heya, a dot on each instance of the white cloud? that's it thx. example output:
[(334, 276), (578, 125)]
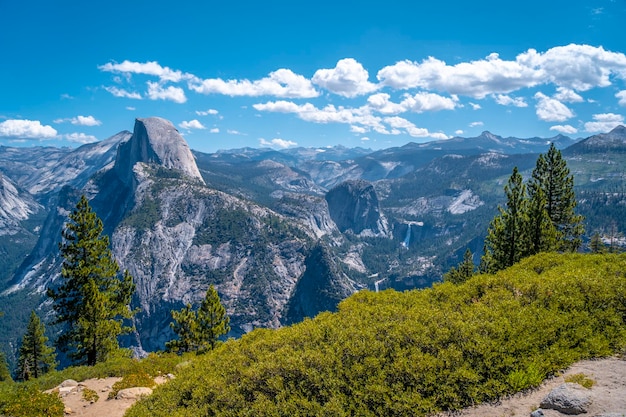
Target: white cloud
[(414, 131), (422, 102), (458, 132), (604, 122), (206, 112), (120, 92), (157, 92), (567, 95), (280, 83), (380, 102), (80, 138), (506, 100), (85, 121), (277, 143), (551, 110), (146, 68), (26, 129), (358, 129), (573, 67), (347, 79), (475, 106), (131, 108), (474, 124), (191, 124), (622, 97), (215, 130), (365, 138), (234, 132), (565, 129)]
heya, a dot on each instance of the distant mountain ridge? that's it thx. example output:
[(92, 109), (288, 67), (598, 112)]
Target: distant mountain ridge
[(256, 222)]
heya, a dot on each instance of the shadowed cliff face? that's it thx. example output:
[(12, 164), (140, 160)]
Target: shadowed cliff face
[(353, 205)]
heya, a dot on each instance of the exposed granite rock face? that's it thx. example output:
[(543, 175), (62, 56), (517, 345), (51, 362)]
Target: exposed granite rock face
[(568, 398), (353, 205), (156, 141)]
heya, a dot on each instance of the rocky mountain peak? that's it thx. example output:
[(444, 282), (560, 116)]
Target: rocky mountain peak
[(614, 141), (156, 140)]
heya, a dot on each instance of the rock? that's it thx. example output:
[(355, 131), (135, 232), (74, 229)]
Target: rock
[(133, 393), (68, 383), (68, 411), (567, 398), (537, 413)]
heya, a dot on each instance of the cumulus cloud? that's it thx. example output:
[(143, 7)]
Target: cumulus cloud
[(565, 129), (191, 124), (80, 138), (567, 95), (81, 121), (26, 129), (410, 128), (280, 83), (120, 92), (475, 106), (358, 129), (622, 97), (572, 67), (506, 100), (277, 143), (215, 130), (146, 68), (458, 132), (171, 93), (206, 112), (474, 124), (551, 110), (604, 122), (347, 79)]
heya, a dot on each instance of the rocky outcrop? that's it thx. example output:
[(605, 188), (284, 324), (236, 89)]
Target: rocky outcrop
[(353, 205), (568, 398), (155, 141)]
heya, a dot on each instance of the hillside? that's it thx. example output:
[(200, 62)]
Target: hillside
[(417, 352)]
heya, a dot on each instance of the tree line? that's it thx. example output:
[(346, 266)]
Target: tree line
[(92, 302), (539, 216)]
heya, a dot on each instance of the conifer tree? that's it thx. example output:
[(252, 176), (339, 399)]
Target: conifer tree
[(91, 301), (200, 330), (5, 374), (463, 271), (596, 244), (542, 235), (507, 237), (35, 357), (552, 176)]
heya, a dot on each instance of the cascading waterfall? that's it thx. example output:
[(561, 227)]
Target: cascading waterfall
[(407, 238)]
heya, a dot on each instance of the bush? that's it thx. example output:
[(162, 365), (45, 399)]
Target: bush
[(138, 379), (417, 352), (25, 400)]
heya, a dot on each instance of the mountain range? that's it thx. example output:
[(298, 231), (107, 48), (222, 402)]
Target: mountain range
[(282, 234)]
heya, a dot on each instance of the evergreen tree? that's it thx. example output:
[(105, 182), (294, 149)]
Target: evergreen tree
[(596, 244), (552, 176), (507, 237), (542, 235), (463, 271), (200, 330), (212, 319), (36, 357), (5, 374), (92, 301)]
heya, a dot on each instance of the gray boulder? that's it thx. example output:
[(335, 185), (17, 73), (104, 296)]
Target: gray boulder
[(568, 398)]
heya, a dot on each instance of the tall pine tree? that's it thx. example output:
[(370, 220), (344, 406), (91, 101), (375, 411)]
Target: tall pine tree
[(91, 301), (507, 237), (36, 357), (551, 177), (200, 330), (464, 271)]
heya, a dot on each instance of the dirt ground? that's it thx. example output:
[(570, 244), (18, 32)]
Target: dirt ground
[(608, 395)]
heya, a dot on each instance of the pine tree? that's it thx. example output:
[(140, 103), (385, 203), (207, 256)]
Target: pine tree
[(507, 237), (92, 301), (5, 374), (36, 357), (542, 235), (200, 330), (552, 176), (463, 271), (212, 319), (596, 244)]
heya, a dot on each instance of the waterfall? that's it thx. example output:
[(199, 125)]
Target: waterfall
[(407, 238)]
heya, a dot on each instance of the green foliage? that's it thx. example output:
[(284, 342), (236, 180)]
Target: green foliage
[(464, 271), (580, 379), (5, 373), (596, 245), (199, 331), (19, 400), (137, 379), (414, 353), (92, 300), (90, 395), (36, 357)]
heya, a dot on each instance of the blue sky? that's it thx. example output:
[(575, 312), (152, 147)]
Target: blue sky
[(285, 73)]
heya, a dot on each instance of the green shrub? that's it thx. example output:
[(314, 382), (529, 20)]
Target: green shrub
[(90, 395), (137, 379), (417, 352), (25, 400), (580, 379)]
